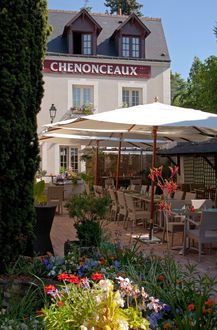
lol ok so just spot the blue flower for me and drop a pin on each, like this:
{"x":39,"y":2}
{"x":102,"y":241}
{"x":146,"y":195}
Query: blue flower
{"x":117,"y":264}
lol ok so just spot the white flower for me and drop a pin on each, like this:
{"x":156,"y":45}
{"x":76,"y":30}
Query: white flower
{"x":106,"y":285}
{"x":118,"y":299}
{"x":123,"y":325}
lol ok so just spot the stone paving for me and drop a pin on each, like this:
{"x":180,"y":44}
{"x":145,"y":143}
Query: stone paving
{"x":63,"y":230}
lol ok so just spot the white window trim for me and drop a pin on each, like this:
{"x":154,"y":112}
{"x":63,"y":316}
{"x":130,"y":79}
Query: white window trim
{"x":84,"y":82}
{"x":132,"y":84}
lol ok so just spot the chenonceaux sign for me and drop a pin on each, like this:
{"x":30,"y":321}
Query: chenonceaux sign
{"x":101,"y":69}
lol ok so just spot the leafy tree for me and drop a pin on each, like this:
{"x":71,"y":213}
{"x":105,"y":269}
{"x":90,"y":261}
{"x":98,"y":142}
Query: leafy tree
{"x":23,"y":34}
{"x":178,"y":88}
{"x":202,"y":86}
{"x":127,"y":6}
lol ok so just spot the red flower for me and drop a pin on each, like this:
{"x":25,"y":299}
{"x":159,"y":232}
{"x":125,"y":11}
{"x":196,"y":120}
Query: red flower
{"x":192,"y":209}
{"x":60,"y":303}
{"x":63,"y":277}
{"x":96,"y":277}
{"x":191,"y":307}
{"x":49,"y":289}
{"x":171,"y":186}
{"x":73,"y":279}
{"x":173,"y":170}
{"x":161,"y":277}
{"x":210,"y":302}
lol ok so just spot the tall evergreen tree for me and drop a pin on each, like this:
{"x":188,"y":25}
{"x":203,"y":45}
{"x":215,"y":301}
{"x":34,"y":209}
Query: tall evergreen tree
{"x":127,"y":6}
{"x":23,"y":35}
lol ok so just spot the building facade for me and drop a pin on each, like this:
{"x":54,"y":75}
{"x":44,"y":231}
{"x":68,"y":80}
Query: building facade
{"x":96,"y":63}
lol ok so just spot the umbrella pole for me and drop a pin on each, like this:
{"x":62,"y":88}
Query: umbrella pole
{"x":154,"y":134}
{"x":118,"y":162}
{"x":96,"y":164}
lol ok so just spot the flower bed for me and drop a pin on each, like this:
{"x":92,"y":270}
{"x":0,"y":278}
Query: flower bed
{"x":124,"y":289}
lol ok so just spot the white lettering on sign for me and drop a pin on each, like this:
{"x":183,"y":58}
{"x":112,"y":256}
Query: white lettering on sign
{"x":97,"y":68}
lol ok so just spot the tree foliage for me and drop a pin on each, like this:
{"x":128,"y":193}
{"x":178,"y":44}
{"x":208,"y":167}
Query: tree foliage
{"x":201,"y":86}
{"x":178,"y":88}
{"x":23,"y":34}
{"x":127,"y":6}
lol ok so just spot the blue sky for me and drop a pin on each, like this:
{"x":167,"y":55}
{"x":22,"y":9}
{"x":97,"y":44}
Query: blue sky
{"x":188,"y":26}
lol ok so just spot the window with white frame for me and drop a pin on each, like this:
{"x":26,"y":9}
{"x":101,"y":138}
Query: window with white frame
{"x":69,"y":158}
{"x":131,"y":96}
{"x":87,"y":44}
{"x":82,"y":96}
{"x":82,"y":43}
{"x":130,"y":46}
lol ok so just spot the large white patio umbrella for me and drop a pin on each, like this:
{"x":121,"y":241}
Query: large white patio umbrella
{"x":155,"y":119}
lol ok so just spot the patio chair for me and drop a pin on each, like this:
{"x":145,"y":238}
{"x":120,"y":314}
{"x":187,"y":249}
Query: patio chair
{"x":137,"y":184}
{"x":204,"y":233}
{"x":109,"y":183}
{"x":122,"y":207}
{"x":134,"y":213}
{"x":174,"y":223}
{"x":179,"y":194}
{"x":56,"y":194}
{"x":114,"y":204}
{"x":189,"y":196}
{"x":98,"y":191}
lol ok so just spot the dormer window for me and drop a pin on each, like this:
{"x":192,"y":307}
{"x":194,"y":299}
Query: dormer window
{"x":87,"y":44}
{"x":130,"y":37}
{"x":82,"y":32}
{"x":130,"y":46}
{"x":82,"y":43}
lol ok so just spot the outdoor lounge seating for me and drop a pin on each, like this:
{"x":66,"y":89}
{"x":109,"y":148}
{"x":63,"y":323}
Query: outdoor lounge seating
{"x":204,"y":233}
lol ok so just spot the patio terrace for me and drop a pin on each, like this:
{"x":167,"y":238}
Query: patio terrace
{"x":63,"y":230}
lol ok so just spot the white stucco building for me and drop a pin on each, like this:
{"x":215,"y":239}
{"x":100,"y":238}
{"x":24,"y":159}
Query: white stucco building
{"x":101,"y":62}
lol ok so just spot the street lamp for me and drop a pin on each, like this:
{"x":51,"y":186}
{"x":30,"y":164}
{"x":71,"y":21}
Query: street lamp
{"x":52,"y":111}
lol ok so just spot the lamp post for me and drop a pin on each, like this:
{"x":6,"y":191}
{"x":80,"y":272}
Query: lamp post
{"x":52,"y":111}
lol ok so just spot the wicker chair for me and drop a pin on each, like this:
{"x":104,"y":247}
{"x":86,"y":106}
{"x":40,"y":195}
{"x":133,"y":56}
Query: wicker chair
{"x":56,"y":194}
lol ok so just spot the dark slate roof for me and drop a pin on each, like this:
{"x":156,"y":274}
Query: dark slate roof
{"x":189,"y":148}
{"x":155,"y":42}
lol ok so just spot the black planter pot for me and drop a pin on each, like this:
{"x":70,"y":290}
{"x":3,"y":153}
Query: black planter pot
{"x":44,"y":220}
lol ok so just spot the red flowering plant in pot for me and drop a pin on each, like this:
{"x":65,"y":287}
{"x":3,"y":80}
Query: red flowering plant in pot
{"x":168,"y":185}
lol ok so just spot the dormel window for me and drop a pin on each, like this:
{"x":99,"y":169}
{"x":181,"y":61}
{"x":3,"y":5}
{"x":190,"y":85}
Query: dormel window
{"x":130,"y":37}
{"x":81,"y":33}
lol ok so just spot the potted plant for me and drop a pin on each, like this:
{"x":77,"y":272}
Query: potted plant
{"x":88,"y":213}
{"x":44,"y":219}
